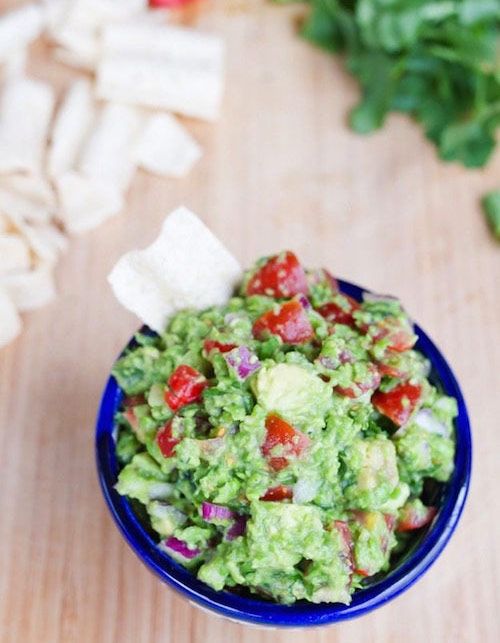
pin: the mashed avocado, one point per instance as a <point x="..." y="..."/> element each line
<point x="280" y="443"/>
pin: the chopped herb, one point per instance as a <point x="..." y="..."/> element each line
<point x="436" y="60"/>
<point x="491" y="207"/>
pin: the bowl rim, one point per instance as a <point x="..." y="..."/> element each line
<point x="301" y="614"/>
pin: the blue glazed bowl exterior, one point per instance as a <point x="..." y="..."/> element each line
<point x="302" y="614"/>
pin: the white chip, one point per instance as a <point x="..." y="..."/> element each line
<point x="74" y="58"/>
<point x="4" y="223"/>
<point x="162" y="66"/>
<point x="15" y="63"/>
<point x="19" y="28"/>
<point x="20" y="208"/>
<point x="71" y="127"/>
<point x="92" y="15"/>
<point x="186" y="267"/>
<point x="56" y="13"/>
<point x="77" y="28"/>
<point x="166" y="147"/>
<point x="31" y="187"/>
<point x="45" y="240"/>
<point x="30" y="289"/>
<point x="86" y="202"/>
<point x="14" y="253"/>
<point x="10" y="322"/>
<point x="109" y="152"/>
<point x="26" y="108"/>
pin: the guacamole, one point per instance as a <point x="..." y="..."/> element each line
<point x="282" y="444"/>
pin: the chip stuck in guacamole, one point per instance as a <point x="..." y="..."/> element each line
<point x="282" y="443"/>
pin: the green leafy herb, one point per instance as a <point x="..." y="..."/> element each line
<point x="491" y="206"/>
<point x="437" y="60"/>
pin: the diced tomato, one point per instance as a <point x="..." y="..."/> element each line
<point x="166" y="441"/>
<point x="212" y="344"/>
<point x="185" y="386"/>
<point x="413" y="517"/>
<point x="279" y="432"/>
<point x="337" y="313"/>
<point x="398" y="403"/>
<point x="290" y="322"/>
<point x="281" y="276"/>
<point x="276" y="494"/>
<point x="358" y="388"/>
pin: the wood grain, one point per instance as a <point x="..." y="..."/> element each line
<point x="281" y="170"/>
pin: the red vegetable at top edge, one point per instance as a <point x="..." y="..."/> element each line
<point x="281" y="276"/>
<point x="290" y="322"/>
<point x="279" y="432"/>
<point x="185" y="386"/>
<point x="398" y="403"/>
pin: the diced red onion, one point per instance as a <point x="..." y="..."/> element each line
<point x="181" y="548"/>
<point x="242" y="361"/>
<point x="238" y="528"/>
<point x="304" y="302"/>
<point x="329" y="362"/>
<point x="210" y="512"/>
<point x="346" y="357"/>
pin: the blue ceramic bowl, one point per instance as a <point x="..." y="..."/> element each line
<point x="418" y="559"/>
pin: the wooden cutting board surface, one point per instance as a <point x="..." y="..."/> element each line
<point x="280" y="170"/>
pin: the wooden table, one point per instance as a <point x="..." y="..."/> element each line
<point x="281" y="170"/>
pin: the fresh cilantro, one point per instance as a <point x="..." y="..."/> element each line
<point x="491" y="206"/>
<point x="437" y="60"/>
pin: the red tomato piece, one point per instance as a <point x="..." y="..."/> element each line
<point x="335" y="313"/>
<point x="412" y="517"/>
<point x="185" y="386"/>
<point x="212" y="344"/>
<point x="290" y="322"/>
<point x="398" y="403"/>
<point x="166" y="440"/>
<point x="370" y="384"/>
<point x="279" y="432"/>
<point x="276" y="494"/>
<point x="281" y="276"/>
